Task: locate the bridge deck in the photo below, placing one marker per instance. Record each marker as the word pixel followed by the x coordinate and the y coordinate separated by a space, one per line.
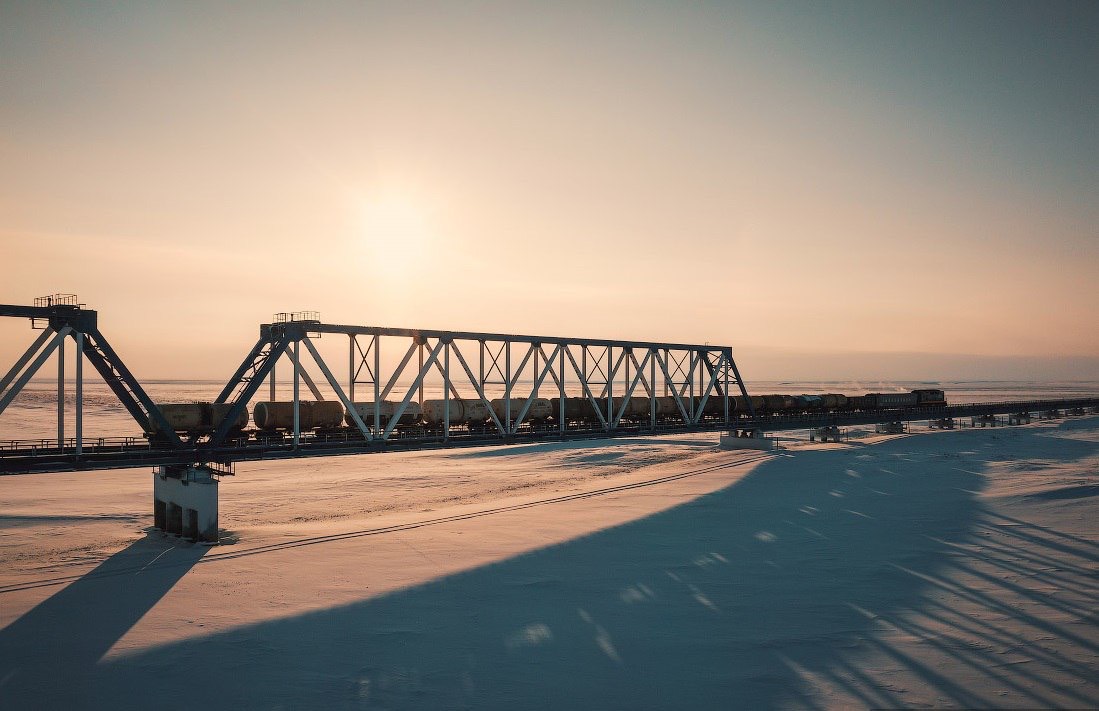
pixel 21 457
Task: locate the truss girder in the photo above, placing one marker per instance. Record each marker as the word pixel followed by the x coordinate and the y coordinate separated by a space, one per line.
pixel 607 375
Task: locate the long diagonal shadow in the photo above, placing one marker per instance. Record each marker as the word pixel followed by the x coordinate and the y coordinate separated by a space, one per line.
pixel 49 656
pixel 732 600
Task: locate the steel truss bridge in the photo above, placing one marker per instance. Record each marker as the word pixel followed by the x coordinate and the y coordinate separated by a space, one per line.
pixel 606 373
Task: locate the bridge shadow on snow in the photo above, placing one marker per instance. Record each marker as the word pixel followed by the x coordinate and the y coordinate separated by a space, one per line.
pixel 49 657
pixel 729 601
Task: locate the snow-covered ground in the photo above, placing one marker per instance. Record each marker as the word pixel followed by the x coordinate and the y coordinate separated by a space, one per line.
pixel 956 569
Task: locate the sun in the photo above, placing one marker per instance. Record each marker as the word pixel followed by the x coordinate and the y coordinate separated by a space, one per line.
pixel 394 234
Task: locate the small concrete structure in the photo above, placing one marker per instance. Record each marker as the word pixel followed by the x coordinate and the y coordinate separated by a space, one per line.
pixel 746 439
pixel 1077 411
pixel 831 432
pixel 1050 414
pixel 943 423
pixel 1019 418
pixel 185 501
pixel 890 428
pixel 984 421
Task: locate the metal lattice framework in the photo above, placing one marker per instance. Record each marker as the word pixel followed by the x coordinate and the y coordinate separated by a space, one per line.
pixel 515 368
pixel 61 317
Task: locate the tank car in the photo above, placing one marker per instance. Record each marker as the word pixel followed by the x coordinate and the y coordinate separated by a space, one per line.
pixel 197 418
pixel 386 410
pixel 540 408
pixel 312 415
pixel 462 411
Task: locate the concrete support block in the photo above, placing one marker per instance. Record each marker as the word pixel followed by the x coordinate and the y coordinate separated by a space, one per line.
pixel 1019 418
pixel 825 434
pixel 985 421
pixel 890 428
pixel 1050 414
pixel 944 423
pixel 746 439
pixel 185 502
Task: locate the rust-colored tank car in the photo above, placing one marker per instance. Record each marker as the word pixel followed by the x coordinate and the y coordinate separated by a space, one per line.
pixel 462 411
pixel 312 414
pixel 198 417
pixel 386 410
pixel 540 408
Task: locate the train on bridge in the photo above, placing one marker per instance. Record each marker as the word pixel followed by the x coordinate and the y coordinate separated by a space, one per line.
pixel 275 418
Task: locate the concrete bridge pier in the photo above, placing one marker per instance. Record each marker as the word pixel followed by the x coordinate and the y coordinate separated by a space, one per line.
pixel 185 501
pixel 985 421
pixel 829 433
pixel 746 439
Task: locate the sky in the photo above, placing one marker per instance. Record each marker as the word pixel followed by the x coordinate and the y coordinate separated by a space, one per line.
pixel 830 188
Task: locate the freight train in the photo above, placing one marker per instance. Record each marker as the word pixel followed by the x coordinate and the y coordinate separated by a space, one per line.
pixel 274 418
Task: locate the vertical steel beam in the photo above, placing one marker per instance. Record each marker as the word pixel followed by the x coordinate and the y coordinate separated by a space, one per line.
pixel 507 385
pixel 610 387
pixel 725 357
pixel 297 411
pixel 352 342
pixel 377 376
pixel 271 380
pixel 446 391
pixel 561 391
pixel 652 388
pixel 61 394
pixel 79 393
pixel 420 395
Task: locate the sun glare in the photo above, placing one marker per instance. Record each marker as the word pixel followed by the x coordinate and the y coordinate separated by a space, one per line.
pixel 394 234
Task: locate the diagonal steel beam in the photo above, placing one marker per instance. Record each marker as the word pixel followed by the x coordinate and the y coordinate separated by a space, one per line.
pixel 399 412
pixel 335 385
pixel 638 375
pixel 304 374
pixel 248 362
pixel 29 372
pixel 705 395
pixel 398 371
pixel 587 390
pixel 477 386
pixel 277 348
pixel 537 383
pixel 25 358
pixel 125 386
pixel 678 402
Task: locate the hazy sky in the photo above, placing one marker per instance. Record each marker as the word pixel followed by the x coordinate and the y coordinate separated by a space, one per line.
pixel 798 180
